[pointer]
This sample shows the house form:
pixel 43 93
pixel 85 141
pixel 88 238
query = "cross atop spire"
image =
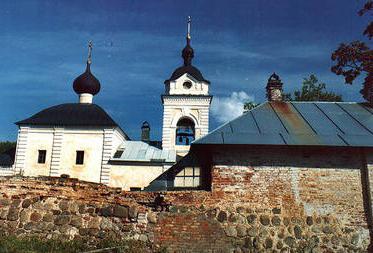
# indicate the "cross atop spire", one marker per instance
pixel 189 22
pixel 188 52
pixel 90 46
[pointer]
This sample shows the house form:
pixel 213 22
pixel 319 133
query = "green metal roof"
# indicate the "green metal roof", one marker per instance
pixel 298 123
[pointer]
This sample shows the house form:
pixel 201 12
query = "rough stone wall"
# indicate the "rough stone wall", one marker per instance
pixel 305 184
pixel 314 205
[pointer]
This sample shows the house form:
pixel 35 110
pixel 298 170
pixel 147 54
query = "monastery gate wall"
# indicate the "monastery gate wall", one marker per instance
pixel 248 210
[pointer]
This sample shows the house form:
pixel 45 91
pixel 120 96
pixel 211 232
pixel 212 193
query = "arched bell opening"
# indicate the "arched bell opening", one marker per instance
pixel 185 131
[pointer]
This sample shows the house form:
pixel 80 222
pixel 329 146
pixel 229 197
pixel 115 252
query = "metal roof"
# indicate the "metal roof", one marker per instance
pixel 139 151
pixel 298 123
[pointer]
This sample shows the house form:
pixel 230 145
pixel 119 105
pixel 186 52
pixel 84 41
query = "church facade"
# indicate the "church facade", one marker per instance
pixel 80 140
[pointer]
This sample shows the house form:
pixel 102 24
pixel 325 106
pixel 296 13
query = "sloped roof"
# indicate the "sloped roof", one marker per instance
pixel 298 123
pixel 72 114
pixel 139 151
pixel 189 69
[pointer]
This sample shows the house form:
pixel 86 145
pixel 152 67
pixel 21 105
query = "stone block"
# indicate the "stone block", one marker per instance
pixel 290 241
pixel 268 243
pixel 132 212
pixel 222 216
pixel 276 210
pixel 297 232
pixel 252 232
pixel 276 220
pixel 26 203
pixel 264 220
pixel 61 220
pixel 13 214
pixel 5 202
pixel 76 221
pixel 64 205
pixel 48 217
pixel 16 202
pixel 3 214
pixel 152 217
pixel 24 215
pixel 107 211
pixel 231 231
pixel 36 216
pixel 122 211
pixel 241 230
pixel 94 223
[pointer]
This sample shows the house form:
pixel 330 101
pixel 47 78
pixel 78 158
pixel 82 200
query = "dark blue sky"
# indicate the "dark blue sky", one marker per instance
pixel 137 45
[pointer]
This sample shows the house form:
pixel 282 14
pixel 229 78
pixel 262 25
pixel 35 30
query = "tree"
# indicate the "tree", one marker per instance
pixel 249 106
pixel 313 90
pixel 356 58
pixel 6 145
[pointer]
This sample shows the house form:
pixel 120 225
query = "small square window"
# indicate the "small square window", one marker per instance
pixel 79 157
pixel 42 155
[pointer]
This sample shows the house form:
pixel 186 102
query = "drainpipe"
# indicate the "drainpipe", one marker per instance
pixel 367 200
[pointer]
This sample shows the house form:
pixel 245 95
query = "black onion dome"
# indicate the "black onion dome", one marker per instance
pixel 87 83
pixel 187 54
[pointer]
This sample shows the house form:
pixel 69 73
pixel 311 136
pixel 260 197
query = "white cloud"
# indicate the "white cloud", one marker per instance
pixel 224 109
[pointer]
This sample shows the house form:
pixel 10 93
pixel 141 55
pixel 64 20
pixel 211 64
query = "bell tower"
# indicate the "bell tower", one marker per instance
pixel 186 103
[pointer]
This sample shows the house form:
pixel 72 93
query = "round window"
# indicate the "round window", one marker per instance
pixel 187 85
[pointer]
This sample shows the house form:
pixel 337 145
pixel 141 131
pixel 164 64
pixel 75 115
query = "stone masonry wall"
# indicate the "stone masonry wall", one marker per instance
pixel 315 205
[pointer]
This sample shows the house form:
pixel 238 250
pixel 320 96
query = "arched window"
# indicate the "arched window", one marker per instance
pixel 185 131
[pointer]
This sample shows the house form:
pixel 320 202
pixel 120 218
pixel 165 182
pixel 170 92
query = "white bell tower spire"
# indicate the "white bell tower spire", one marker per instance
pixel 186 103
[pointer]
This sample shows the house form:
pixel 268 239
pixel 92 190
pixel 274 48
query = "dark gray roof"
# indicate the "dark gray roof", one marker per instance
pixel 71 115
pixel 298 123
pixel 189 69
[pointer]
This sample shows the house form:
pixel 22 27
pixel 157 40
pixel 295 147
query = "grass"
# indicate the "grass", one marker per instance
pixel 12 244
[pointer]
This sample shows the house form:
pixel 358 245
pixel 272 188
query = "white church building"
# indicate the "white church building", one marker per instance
pixel 81 140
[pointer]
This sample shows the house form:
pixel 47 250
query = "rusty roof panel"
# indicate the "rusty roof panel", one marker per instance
pixel 299 123
pixel 291 119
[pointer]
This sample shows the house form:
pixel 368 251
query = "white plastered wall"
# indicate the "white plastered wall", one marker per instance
pixel 127 176
pixel 61 145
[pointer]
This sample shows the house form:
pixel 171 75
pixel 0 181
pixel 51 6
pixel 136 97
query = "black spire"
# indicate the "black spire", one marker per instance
pixel 188 52
pixel 87 82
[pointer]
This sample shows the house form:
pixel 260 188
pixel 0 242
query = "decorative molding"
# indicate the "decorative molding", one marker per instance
pixel 56 152
pixel 106 155
pixel 21 149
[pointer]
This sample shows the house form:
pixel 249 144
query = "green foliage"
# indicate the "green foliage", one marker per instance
pixel 356 58
pixel 249 106
pixel 6 145
pixel 313 90
pixel 12 244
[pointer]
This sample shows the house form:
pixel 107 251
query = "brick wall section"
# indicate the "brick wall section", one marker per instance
pixel 180 227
